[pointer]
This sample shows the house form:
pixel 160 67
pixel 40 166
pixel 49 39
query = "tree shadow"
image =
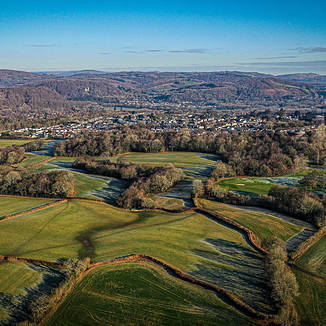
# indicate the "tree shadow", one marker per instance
pixel 238 270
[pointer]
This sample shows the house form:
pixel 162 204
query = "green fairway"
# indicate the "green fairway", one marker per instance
pixel 188 241
pixel 16 277
pixel 141 294
pixel 314 259
pixel 252 184
pixel 31 159
pixel 10 142
pixel 15 204
pixel 311 302
pixel 184 160
pixel 262 225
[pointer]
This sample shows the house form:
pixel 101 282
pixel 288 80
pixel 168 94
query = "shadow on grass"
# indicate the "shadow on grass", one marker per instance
pixel 18 307
pixel 238 270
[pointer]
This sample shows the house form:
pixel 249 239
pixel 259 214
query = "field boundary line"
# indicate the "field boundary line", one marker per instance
pixel 302 270
pixel 40 162
pixel 34 209
pixel 232 300
pixel 32 261
pixel 307 244
pixel 229 298
pixel 251 235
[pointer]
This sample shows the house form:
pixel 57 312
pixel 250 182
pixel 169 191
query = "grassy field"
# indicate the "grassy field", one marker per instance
pixel 62 231
pixel 16 277
pixel 141 294
pixel 252 184
pixel 262 225
pixel 314 259
pixel 31 159
pixel 311 302
pixel 86 184
pixel 184 160
pixel 188 241
pixel 10 142
pixel 14 204
pixel 257 185
pixel 168 203
pixel 19 284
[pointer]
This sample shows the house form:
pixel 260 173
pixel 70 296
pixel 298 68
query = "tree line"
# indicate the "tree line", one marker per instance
pixel 256 153
pixel 146 179
pixel 281 280
pixel 23 182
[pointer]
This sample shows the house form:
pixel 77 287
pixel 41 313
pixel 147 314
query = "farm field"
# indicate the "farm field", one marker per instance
pixel 141 294
pixel 14 204
pixel 189 241
pixel 263 225
pixel 185 160
pixel 256 185
pixel 16 277
pixel 19 283
pixel 110 232
pixel 311 302
pixel 10 142
pixel 314 259
pixel 31 159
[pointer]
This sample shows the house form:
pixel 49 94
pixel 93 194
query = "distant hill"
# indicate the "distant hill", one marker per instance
pixel 224 89
pixel 12 78
pixel 195 88
pixel 70 73
pixel 30 99
pixel 306 78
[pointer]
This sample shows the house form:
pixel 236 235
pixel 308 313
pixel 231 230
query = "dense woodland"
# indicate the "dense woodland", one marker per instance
pixel 253 153
pixel 11 155
pixel 23 182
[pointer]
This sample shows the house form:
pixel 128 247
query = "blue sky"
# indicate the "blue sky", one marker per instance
pixel 266 36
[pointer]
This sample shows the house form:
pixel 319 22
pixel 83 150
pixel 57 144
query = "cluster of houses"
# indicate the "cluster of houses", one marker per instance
pixel 159 121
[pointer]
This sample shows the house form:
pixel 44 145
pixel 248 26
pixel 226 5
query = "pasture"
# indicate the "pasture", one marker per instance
pixel 16 278
pixel 11 142
pixel 19 284
pixel 15 204
pixel 86 183
pixel 188 241
pixel 263 225
pixel 141 294
pixel 311 302
pixel 314 259
pixel 184 160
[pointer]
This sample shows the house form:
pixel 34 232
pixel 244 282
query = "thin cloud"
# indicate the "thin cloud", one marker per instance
pixel 199 50
pixel 105 53
pixel 317 49
pixel 271 58
pixel 316 63
pixel 153 51
pixel 43 45
pixel 129 51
